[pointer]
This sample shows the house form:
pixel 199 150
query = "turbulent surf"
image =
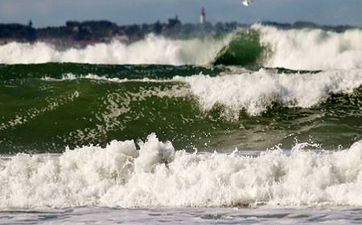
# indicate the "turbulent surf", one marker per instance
pixel 219 107
pixel 262 117
pixel 298 49
pixel 157 176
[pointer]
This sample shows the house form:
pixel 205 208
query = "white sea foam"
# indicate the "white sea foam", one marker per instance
pixel 119 175
pixel 251 91
pixel 256 91
pixel 295 49
pixel 312 49
pixel 151 50
pixel 70 76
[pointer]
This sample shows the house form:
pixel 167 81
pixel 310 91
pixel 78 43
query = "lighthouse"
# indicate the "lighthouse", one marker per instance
pixel 202 16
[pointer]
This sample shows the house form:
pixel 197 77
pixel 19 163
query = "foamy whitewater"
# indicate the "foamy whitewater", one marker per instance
pixel 184 131
pixel 151 50
pixel 156 175
pixel 312 49
pixel 253 92
pixel 256 91
pixel 308 49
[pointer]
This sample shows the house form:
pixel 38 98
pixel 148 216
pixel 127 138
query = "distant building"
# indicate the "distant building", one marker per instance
pixel 202 16
pixel 174 22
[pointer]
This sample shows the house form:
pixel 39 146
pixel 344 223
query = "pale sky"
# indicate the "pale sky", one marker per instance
pixel 56 12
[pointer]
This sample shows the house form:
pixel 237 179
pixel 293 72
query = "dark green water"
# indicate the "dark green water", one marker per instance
pixel 244 49
pixel 41 112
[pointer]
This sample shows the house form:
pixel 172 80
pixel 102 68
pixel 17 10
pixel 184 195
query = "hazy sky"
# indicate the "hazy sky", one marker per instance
pixel 56 12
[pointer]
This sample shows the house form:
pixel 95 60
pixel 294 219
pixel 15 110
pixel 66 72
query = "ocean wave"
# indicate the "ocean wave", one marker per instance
pixel 120 175
pixel 254 92
pixel 301 49
pixel 311 49
pixel 151 50
pixel 248 109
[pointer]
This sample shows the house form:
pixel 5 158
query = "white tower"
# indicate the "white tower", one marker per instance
pixel 202 16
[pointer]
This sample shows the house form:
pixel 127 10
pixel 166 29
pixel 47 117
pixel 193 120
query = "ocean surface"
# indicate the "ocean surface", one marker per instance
pixel 262 126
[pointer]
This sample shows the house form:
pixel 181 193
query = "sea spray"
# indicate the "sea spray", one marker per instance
pixel 80 109
pixel 311 49
pixel 151 50
pixel 268 46
pixel 255 92
pixel 157 176
pixel 219 165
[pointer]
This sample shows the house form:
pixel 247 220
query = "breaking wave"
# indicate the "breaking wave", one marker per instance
pixel 151 50
pixel 303 49
pixel 130 102
pixel 312 49
pixel 120 175
pixel 256 92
